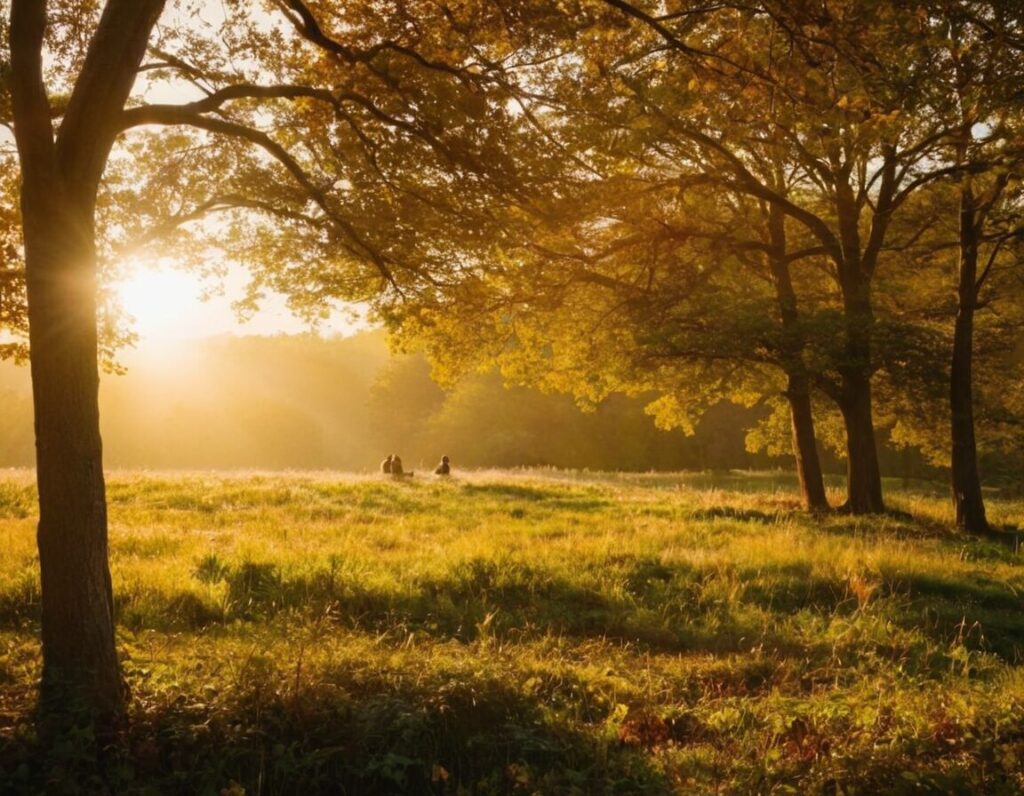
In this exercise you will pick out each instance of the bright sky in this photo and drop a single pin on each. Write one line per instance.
(168, 305)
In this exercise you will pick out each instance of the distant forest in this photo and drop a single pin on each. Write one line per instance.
(307, 402)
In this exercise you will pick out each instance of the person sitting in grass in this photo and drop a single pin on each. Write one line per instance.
(444, 468)
(385, 466)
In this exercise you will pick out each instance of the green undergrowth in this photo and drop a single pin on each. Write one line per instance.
(507, 633)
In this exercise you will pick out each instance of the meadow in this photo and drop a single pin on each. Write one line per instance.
(531, 632)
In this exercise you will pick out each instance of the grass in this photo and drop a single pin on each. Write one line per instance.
(531, 632)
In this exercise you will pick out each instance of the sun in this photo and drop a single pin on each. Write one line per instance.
(172, 305)
(161, 301)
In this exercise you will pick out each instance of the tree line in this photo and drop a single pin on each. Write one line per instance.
(810, 204)
(343, 403)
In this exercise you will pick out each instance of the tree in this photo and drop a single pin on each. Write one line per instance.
(846, 119)
(970, 214)
(866, 121)
(985, 75)
(809, 118)
(60, 177)
(330, 116)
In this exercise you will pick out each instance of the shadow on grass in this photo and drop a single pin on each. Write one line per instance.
(553, 497)
(356, 730)
(638, 600)
(733, 513)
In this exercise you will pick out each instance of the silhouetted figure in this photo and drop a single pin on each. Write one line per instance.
(444, 468)
(396, 468)
(385, 466)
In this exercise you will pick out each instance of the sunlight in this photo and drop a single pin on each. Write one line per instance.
(168, 304)
(160, 301)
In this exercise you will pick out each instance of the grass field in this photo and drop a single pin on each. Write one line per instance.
(508, 633)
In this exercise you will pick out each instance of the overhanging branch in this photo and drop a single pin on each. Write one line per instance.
(182, 115)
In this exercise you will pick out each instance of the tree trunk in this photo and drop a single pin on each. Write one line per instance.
(805, 448)
(79, 655)
(864, 478)
(798, 390)
(855, 268)
(60, 175)
(967, 496)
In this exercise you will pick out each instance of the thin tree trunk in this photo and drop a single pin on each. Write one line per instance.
(967, 496)
(798, 392)
(805, 448)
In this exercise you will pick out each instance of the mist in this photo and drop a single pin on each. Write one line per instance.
(311, 402)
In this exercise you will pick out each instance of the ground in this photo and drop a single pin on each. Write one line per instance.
(531, 632)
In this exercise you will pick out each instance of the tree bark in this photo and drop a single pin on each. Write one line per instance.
(967, 495)
(798, 392)
(864, 478)
(805, 448)
(77, 620)
(60, 175)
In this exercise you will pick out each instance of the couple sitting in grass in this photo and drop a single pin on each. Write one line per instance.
(392, 466)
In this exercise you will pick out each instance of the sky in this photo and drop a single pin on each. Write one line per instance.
(170, 304)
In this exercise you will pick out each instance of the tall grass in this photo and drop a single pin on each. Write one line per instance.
(531, 632)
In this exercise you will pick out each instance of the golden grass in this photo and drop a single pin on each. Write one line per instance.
(533, 631)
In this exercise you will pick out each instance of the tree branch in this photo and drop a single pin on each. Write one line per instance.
(305, 22)
(182, 115)
(103, 85)
(30, 106)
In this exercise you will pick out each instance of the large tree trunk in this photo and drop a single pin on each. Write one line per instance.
(60, 175)
(79, 657)
(967, 497)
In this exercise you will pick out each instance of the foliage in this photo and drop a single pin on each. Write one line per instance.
(575, 194)
(340, 153)
(652, 272)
